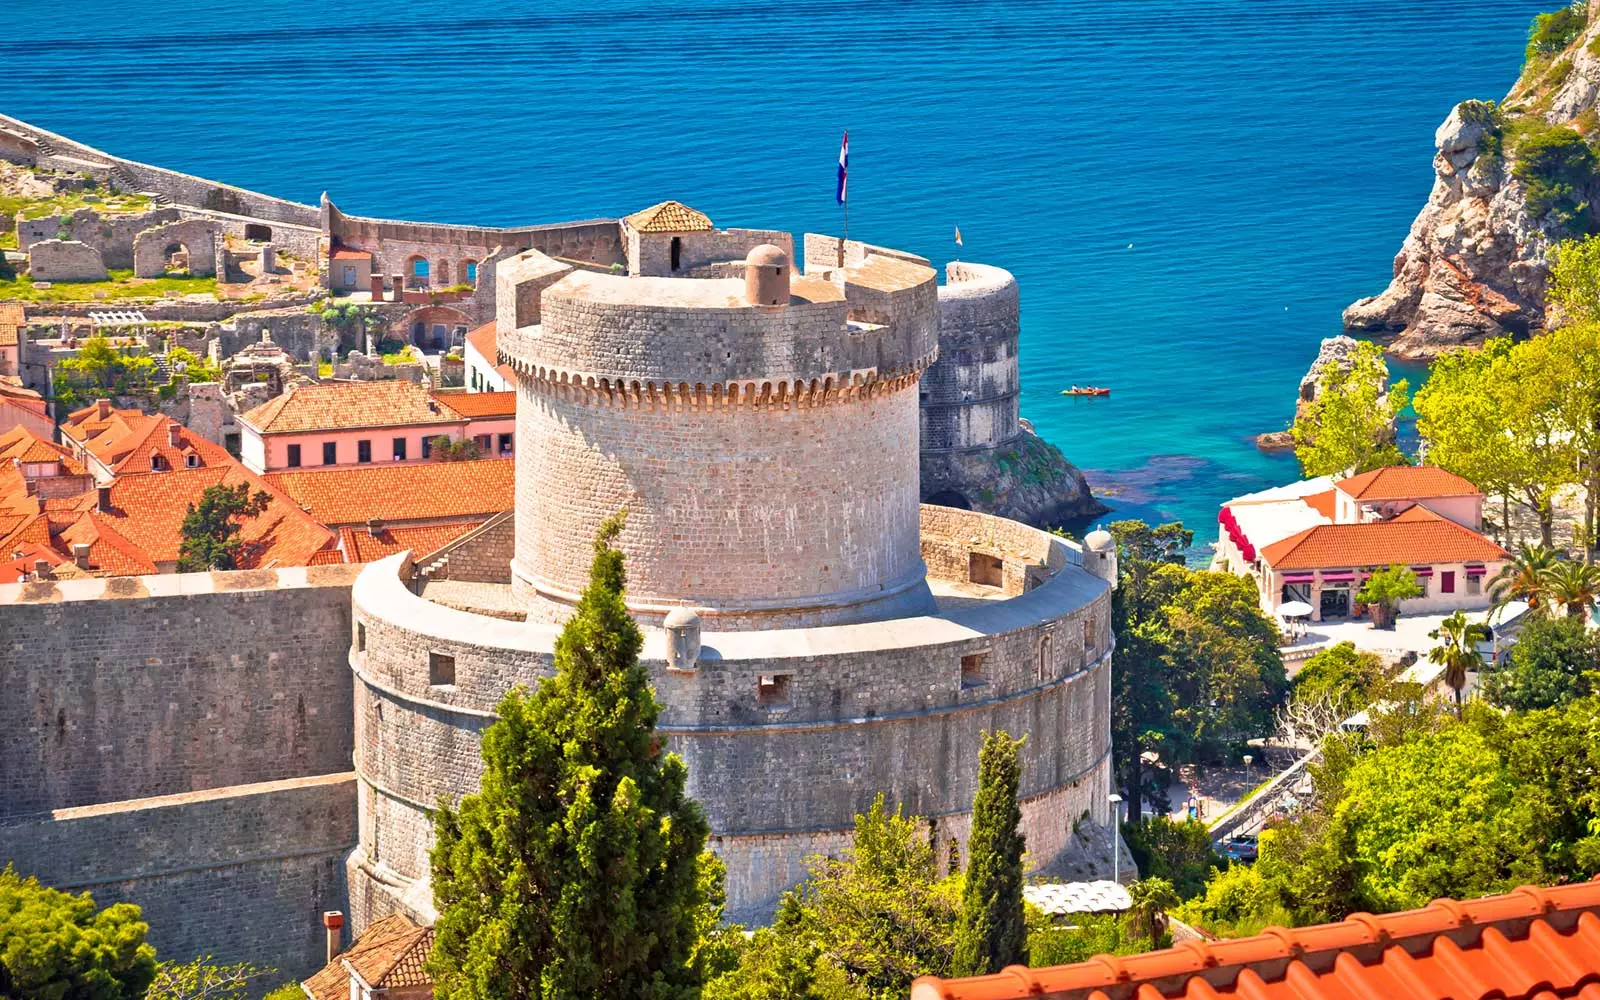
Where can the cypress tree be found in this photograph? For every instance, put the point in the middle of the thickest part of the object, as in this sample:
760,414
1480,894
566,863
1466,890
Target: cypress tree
991,932
578,870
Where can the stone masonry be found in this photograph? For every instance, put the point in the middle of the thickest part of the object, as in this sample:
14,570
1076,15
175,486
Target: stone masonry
65,260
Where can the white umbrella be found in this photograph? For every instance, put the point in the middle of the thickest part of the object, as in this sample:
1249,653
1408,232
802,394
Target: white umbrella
1294,609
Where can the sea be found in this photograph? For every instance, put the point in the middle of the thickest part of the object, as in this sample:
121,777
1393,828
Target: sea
1188,192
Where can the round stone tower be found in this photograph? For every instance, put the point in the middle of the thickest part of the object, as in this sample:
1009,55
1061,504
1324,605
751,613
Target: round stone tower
970,395
761,434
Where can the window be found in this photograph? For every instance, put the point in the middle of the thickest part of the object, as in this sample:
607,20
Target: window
1447,582
256,231
1044,657
1474,585
677,252
419,268
972,670
155,463
427,446
773,691
1088,638
505,444
192,461
294,456
363,451
441,669
330,453
472,272
399,449
985,569
361,637
484,440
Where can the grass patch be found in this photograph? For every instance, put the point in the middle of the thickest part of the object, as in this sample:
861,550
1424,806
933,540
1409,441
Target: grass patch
122,286
403,356
67,202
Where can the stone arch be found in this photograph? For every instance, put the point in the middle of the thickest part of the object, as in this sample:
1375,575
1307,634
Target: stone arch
431,328
200,239
418,272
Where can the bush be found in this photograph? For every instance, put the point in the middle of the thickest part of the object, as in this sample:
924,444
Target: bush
1181,853
1556,167
1556,30
1091,934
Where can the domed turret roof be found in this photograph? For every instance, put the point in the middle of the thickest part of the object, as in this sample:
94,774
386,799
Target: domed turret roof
766,255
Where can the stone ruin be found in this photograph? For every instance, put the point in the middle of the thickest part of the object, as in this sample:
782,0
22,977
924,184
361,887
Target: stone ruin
65,260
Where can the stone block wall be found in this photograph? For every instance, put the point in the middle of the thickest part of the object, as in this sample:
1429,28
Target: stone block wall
969,396
65,260
201,237
141,686
112,235
482,555
241,873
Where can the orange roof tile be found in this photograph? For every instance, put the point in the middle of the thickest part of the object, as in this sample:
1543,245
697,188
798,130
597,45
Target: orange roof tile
1530,943
111,553
669,217
12,320
401,491
486,341
1323,503
1407,482
477,405
21,444
17,561
347,253
81,425
1410,538
127,441
361,546
389,955
18,396
348,406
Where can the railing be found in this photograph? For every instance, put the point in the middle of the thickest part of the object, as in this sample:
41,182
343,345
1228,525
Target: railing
1288,787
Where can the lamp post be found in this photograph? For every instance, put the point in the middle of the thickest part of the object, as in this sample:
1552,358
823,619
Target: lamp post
1248,760
1116,835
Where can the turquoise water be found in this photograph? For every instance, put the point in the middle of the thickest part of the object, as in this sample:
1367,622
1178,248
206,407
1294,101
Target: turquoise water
1189,192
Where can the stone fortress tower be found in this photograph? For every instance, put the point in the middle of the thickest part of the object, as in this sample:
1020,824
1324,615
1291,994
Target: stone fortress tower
815,635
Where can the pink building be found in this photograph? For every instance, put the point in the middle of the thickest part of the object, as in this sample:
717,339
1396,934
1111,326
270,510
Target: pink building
12,320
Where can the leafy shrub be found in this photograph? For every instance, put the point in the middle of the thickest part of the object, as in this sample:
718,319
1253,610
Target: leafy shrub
1181,853
1554,31
1556,168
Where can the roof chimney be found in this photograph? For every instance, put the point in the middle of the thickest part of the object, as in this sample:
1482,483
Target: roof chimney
41,569
80,554
102,408
102,501
374,526
174,430
332,921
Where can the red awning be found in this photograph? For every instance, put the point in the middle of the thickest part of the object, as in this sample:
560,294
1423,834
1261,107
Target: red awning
1299,577
1339,577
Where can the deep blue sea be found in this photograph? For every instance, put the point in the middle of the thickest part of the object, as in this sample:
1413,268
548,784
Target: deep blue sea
1189,192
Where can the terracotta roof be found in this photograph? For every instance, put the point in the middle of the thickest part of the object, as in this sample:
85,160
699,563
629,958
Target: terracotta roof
83,424
1526,944
389,955
1416,536
20,396
669,217
110,552
361,546
1407,482
12,320
347,253
128,441
485,340
401,491
1322,503
14,567
347,406
477,405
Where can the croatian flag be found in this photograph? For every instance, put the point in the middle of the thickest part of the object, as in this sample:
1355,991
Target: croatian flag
844,160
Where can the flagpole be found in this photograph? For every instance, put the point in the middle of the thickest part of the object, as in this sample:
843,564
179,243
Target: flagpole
844,192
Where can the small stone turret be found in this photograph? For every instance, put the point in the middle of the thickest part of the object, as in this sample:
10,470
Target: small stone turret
683,639
1100,556
766,276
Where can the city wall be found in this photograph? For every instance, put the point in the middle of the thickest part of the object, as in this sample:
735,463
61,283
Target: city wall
241,873
138,686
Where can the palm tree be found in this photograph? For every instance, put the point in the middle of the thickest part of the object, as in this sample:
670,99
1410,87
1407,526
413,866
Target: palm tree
1458,653
1522,578
1151,897
1572,585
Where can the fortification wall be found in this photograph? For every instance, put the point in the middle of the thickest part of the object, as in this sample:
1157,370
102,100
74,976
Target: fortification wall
651,253
241,873
137,686
299,241
112,235
970,394
182,188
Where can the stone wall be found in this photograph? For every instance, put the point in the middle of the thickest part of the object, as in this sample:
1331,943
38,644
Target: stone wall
482,555
240,873
299,331
112,235
65,260
969,396
138,686
201,237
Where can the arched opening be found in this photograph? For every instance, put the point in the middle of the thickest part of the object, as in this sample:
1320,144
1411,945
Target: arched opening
256,231
175,258
417,271
469,272
419,334
677,252
950,498
442,272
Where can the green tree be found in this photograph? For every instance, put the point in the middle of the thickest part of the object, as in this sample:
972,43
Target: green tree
1572,586
579,868
195,367
351,320
1575,280
1178,851
1152,898
1458,651
991,932
1384,590
210,531
1556,168
203,979
1553,662
100,370
1349,428
56,946
443,449
1349,678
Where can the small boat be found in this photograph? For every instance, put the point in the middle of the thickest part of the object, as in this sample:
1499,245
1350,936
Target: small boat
1086,390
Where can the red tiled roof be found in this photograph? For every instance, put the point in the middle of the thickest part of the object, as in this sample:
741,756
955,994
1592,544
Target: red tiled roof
401,491
14,567
669,217
22,445
1407,482
486,341
477,405
129,441
346,253
388,956
12,319
1322,503
1416,536
348,406
1529,944
18,396
81,425
361,546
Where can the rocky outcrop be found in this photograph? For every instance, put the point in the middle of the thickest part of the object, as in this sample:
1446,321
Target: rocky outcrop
1476,261
1336,355
1027,479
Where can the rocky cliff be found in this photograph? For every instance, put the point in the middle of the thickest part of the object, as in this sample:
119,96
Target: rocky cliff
1511,181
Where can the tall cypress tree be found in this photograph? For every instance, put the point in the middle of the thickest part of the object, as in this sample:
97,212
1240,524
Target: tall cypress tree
991,932
578,870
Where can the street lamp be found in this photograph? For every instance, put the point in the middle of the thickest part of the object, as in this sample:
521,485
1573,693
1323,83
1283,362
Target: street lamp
1248,760
1116,838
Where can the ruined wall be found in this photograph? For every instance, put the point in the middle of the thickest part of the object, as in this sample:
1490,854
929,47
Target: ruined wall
65,260
651,253
112,235
482,555
141,686
201,237
240,873
296,240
